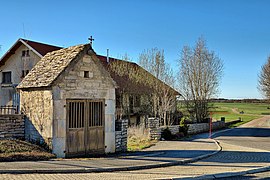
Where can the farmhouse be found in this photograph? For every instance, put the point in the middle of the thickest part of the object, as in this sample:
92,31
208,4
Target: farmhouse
15,64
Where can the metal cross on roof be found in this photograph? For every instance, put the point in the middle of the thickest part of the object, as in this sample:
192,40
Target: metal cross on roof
91,40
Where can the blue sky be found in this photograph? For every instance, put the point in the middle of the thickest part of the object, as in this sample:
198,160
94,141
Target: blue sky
237,30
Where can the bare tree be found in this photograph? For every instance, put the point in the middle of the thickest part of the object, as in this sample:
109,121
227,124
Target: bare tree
200,73
264,79
163,95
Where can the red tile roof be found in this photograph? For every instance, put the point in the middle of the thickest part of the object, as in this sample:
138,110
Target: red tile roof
40,48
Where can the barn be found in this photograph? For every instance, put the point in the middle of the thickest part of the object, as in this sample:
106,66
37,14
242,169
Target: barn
68,99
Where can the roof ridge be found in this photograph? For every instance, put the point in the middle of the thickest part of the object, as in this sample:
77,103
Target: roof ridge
28,40
49,68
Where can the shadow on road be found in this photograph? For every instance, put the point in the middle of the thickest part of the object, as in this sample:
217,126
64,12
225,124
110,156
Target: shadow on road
251,132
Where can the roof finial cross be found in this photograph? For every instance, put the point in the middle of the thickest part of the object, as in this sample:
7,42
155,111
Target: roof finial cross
91,40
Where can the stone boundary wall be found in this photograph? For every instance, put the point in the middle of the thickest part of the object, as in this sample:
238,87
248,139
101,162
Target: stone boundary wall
11,126
155,129
204,127
233,122
121,127
174,129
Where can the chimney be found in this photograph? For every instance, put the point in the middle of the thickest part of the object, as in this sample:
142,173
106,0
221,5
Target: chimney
108,59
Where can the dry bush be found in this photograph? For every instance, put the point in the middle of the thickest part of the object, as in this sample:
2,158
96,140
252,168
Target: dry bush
138,138
138,132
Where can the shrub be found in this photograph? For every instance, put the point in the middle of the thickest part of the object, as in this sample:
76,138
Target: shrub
167,134
183,128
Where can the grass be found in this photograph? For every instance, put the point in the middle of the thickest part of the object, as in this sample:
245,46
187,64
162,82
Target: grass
138,138
248,108
17,150
231,111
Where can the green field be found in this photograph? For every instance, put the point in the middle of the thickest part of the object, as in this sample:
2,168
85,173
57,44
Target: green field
234,111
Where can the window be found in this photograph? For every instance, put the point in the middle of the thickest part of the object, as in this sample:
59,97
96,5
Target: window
76,114
131,104
86,74
24,73
137,102
85,111
118,100
6,77
25,53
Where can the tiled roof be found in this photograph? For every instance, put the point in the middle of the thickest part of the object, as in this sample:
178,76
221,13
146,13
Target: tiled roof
40,48
50,67
126,83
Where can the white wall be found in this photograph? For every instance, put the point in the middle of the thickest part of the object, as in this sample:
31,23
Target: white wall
14,64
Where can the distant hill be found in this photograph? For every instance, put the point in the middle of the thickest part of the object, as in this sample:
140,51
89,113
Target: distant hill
240,100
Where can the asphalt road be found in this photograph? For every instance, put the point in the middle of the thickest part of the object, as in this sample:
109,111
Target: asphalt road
255,134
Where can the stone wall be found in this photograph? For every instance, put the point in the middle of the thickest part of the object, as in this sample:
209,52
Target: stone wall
37,108
174,129
204,127
155,129
11,126
121,127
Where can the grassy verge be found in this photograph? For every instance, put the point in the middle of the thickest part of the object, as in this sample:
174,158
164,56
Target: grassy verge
135,144
17,150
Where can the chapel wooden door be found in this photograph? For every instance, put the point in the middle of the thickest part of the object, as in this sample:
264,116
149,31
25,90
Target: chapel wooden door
85,127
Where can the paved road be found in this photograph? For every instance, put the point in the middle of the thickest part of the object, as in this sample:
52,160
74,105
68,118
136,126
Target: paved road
254,134
262,176
244,148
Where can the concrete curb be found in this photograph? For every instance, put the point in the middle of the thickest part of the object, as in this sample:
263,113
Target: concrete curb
226,175
110,169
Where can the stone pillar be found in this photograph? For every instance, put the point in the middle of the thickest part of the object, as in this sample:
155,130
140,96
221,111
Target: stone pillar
154,128
121,127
